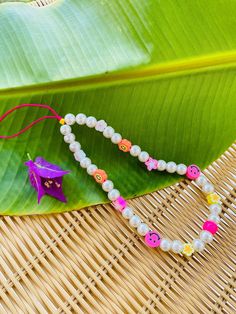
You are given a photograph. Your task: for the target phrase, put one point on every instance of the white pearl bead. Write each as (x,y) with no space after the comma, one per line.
(198,245)
(161,165)
(91,122)
(69,119)
(85,162)
(107,186)
(181,169)
(206,236)
(135,221)
(65,129)
(100,126)
(214,218)
(127,212)
(208,188)
(177,246)
(171,167)
(74,146)
(79,155)
(113,194)
(108,132)
(201,180)
(165,244)
(91,169)
(135,150)
(81,118)
(69,138)
(116,138)
(143,156)
(143,229)
(215,209)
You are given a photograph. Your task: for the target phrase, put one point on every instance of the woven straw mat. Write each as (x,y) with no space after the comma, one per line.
(90,261)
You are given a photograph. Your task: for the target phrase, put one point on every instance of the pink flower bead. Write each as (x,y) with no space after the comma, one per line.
(151,164)
(193,172)
(152,239)
(210,226)
(119,203)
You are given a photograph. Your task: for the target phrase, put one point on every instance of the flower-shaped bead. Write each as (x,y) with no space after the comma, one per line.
(100,176)
(125,145)
(188,249)
(151,164)
(119,203)
(213,198)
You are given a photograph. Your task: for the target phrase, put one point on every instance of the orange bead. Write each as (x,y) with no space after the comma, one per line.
(125,145)
(100,176)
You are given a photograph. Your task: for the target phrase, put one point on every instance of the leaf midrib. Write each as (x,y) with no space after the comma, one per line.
(180,67)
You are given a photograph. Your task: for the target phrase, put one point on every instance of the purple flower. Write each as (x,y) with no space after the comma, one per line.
(46,178)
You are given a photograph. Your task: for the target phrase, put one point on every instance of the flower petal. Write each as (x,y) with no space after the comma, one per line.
(48,170)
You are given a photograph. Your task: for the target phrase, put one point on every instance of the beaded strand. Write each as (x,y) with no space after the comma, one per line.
(151,237)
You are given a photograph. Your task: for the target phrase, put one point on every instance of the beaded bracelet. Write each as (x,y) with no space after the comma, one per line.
(151,237)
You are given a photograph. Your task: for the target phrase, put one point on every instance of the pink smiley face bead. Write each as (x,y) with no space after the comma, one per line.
(152,239)
(193,172)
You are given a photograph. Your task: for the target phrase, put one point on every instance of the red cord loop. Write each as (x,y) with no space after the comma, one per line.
(54,116)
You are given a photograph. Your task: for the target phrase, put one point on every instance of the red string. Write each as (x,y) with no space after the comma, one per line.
(55,116)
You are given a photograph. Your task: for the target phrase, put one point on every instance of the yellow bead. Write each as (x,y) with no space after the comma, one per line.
(188,249)
(213,198)
(62,121)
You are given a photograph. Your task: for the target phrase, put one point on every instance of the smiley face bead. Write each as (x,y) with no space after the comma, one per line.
(100,176)
(193,172)
(152,239)
(125,145)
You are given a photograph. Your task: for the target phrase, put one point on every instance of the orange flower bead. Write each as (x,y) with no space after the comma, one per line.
(100,176)
(125,145)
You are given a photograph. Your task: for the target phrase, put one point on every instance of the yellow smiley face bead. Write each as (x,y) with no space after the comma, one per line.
(213,198)
(188,249)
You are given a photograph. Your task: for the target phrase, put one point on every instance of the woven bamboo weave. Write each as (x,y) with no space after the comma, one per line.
(90,261)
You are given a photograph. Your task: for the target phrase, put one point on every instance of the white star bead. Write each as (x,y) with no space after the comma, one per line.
(161,165)
(181,169)
(69,138)
(107,186)
(91,169)
(143,156)
(69,119)
(91,122)
(135,150)
(81,118)
(127,212)
(171,167)
(113,194)
(74,146)
(135,221)
(108,132)
(65,129)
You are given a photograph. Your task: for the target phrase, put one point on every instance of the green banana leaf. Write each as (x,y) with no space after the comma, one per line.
(162,73)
